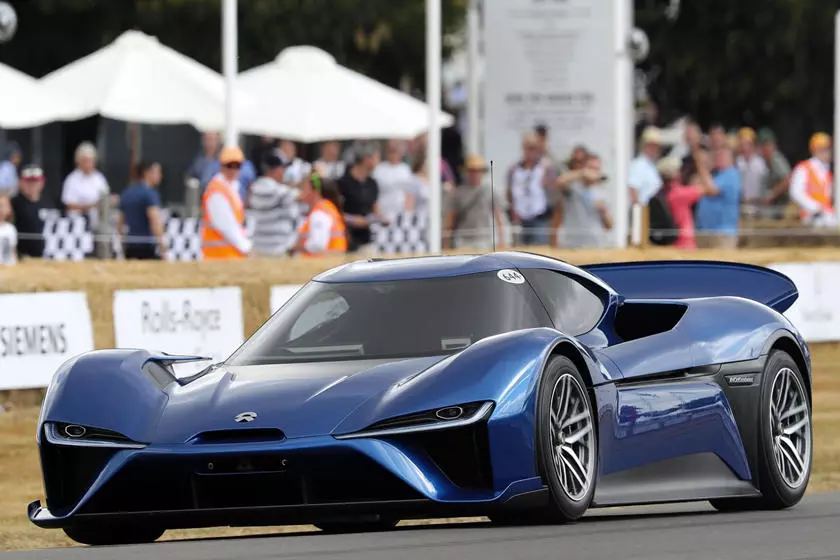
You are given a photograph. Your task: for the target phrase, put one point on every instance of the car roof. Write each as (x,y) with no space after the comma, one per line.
(415,268)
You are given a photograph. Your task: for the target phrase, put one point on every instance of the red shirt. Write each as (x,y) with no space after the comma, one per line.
(681,198)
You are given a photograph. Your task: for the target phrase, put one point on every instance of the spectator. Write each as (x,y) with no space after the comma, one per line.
(84,187)
(323,231)
(360,193)
(9,169)
(29,207)
(643,177)
(546,158)
(751,166)
(205,165)
(586,218)
(717,212)
(330,167)
(274,208)
(267,146)
(774,188)
(682,189)
(717,137)
(811,183)
(223,221)
(527,184)
(8,233)
(693,140)
(417,190)
(139,222)
(393,176)
(577,159)
(452,151)
(297,169)
(469,210)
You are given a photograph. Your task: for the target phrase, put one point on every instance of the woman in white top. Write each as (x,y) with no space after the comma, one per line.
(393,177)
(8,233)
(85,185)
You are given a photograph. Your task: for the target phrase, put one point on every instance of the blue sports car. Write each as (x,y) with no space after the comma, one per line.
(509,385)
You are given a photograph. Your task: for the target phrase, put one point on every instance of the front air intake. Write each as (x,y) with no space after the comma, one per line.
(252,435)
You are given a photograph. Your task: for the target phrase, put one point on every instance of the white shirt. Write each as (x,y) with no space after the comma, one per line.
(8,244)
(393,180)
(753,171)
(527,192)
(84,190)
(644,177)
(223,219)
(331,170)
(799,186)
(296,171)
(8,178)
(320,231)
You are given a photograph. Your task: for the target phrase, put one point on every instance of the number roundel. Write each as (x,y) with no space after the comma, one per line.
(510,276)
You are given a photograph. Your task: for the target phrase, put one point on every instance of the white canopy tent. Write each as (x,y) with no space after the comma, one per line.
(26,103)
(304,95)
(137,79)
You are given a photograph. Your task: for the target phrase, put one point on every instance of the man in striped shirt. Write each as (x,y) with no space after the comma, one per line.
(274,208)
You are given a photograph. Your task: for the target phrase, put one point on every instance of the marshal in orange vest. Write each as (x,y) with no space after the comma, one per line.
(338,231)
(818,185)
(213,243)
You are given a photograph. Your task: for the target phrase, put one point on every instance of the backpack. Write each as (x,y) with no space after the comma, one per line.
(663,229)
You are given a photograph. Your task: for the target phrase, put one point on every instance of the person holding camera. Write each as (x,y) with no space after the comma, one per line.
(586,218)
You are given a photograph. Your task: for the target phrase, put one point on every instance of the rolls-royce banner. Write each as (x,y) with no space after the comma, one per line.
(816,313)
(38,333)
(201,321)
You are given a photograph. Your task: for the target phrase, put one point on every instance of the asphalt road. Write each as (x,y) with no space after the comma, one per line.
(811,531)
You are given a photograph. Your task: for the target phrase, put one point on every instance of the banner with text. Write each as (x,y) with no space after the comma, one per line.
(282,294)
(816,313)
(201,321)
(38,333)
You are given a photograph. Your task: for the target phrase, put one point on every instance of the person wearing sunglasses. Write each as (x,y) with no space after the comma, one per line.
(811,184)
(223,212)
(323,231)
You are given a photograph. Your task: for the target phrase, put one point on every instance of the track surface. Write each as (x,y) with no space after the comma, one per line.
(811,531)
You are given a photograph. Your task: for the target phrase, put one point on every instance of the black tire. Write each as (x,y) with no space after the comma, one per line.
(561,507)
(775,492)
(104,534)
(363,525)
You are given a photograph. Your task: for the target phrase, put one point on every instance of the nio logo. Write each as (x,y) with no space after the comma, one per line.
(740,379)
(245,417)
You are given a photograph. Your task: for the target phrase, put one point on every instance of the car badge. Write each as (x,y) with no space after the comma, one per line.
(245,417)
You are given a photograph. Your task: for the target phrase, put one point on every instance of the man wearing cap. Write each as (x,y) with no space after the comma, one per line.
(274,208)
(223,213)
(643,178)
(751,166)
(29,208)
(774,188)
(9,169)
(469,210)
(811,183)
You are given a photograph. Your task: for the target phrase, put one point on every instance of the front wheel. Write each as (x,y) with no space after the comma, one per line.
(103,534)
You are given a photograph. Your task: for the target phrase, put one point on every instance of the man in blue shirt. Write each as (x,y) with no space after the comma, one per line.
(139,223)
(718,212)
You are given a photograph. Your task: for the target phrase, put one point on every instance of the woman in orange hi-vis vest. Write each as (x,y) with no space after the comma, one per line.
(323,231)
(223,213)
(811,184)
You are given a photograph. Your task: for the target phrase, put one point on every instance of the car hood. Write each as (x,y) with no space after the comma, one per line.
(302,400)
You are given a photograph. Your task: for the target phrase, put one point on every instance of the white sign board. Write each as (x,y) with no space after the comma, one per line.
(816,313)
(282,294)
(38,333)
(553,62)
(201,321)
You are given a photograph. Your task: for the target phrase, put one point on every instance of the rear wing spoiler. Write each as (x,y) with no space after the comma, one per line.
(696,279)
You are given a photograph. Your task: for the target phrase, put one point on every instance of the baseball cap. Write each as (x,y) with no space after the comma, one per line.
(651,135)
(746,133)
(273,161)
(819,141)
(765,136)
(231,154)
(31,172)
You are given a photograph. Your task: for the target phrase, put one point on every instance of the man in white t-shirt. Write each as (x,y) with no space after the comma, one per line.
(393,175)
(85,186)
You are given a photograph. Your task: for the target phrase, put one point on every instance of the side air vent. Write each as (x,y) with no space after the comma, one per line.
(254,435)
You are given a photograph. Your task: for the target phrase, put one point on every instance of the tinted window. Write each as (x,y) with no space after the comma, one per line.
(573,307)
(395,319)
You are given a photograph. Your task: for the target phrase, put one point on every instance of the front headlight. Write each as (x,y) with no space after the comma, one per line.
(76,435)
(446,417)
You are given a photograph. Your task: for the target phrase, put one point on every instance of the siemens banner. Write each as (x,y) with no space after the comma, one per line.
(38,333)
(202,321)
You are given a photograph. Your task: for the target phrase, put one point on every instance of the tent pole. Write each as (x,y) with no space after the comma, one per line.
(433,92)
(229,67)
(474,89)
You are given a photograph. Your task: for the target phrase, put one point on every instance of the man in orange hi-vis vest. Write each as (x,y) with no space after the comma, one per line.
(811,184)
(324,231)
(223,213)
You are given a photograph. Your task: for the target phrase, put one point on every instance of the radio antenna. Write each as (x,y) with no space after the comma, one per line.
(492,206)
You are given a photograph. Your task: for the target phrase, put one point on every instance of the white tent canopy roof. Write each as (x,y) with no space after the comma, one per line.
(304,95)
(138,79)
(24,102)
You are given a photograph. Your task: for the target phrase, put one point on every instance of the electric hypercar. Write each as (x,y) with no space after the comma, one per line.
(507,385)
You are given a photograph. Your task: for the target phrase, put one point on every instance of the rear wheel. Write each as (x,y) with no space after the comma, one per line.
(103,534)
(785,440)
(362,525)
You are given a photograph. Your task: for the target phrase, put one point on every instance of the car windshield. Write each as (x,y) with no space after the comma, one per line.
(394,319)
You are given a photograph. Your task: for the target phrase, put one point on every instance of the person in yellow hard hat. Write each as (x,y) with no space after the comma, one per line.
(223,212)
(811,184)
